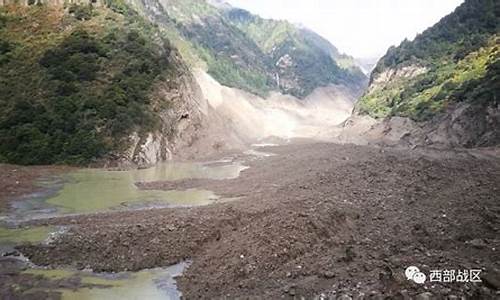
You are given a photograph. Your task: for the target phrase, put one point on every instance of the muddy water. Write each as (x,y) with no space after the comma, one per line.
(259,154)
(147,284)
(95,190)
(152,284)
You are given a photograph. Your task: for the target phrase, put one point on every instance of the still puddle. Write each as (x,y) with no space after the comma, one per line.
(152,284)
(17,236)
(95,190)
(147,284)
(11,237)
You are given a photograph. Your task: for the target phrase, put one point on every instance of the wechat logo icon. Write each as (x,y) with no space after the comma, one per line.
(414,274)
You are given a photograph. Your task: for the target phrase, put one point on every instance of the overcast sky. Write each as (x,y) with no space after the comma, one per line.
(361,28)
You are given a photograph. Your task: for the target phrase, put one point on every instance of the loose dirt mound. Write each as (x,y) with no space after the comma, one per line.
(315,219)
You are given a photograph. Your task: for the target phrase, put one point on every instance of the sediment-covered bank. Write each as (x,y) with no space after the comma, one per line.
(314,219)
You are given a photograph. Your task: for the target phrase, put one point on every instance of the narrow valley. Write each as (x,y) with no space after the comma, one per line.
(191,149)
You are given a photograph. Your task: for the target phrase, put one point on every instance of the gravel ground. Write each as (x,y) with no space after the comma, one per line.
(317,220)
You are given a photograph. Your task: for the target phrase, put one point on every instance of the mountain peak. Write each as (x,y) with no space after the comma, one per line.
(221,4)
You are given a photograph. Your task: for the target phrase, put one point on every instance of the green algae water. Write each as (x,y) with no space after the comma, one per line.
(147,284)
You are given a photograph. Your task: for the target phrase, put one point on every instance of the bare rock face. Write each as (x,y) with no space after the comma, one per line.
(395,74)
(151,151)
(285,78)
(463,125)
(182,113)
(466,125)
(395,131)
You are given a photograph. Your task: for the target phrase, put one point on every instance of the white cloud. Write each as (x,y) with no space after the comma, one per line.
(362,28)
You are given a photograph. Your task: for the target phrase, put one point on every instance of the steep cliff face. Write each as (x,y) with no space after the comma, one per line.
(180,125)
(446,81)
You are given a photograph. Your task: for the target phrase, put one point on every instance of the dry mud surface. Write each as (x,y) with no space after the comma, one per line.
(317,220)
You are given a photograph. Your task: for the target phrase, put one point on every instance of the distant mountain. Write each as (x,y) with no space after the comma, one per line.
(258,55)
(367,64)
(448,74)
(221,4)
(303,60)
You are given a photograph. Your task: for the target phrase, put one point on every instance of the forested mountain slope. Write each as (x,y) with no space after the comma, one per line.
(447,78)
(302,59)
(82,82)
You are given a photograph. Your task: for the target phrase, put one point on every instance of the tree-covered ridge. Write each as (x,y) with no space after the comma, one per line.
(466,30)
(265,33)
(460,56)
(206,40)
(75,83)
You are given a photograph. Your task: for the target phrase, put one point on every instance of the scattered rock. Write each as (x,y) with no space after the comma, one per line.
(477,243)
(12,253)
(290,289)
(424,296)
(492,279)
(403,295)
